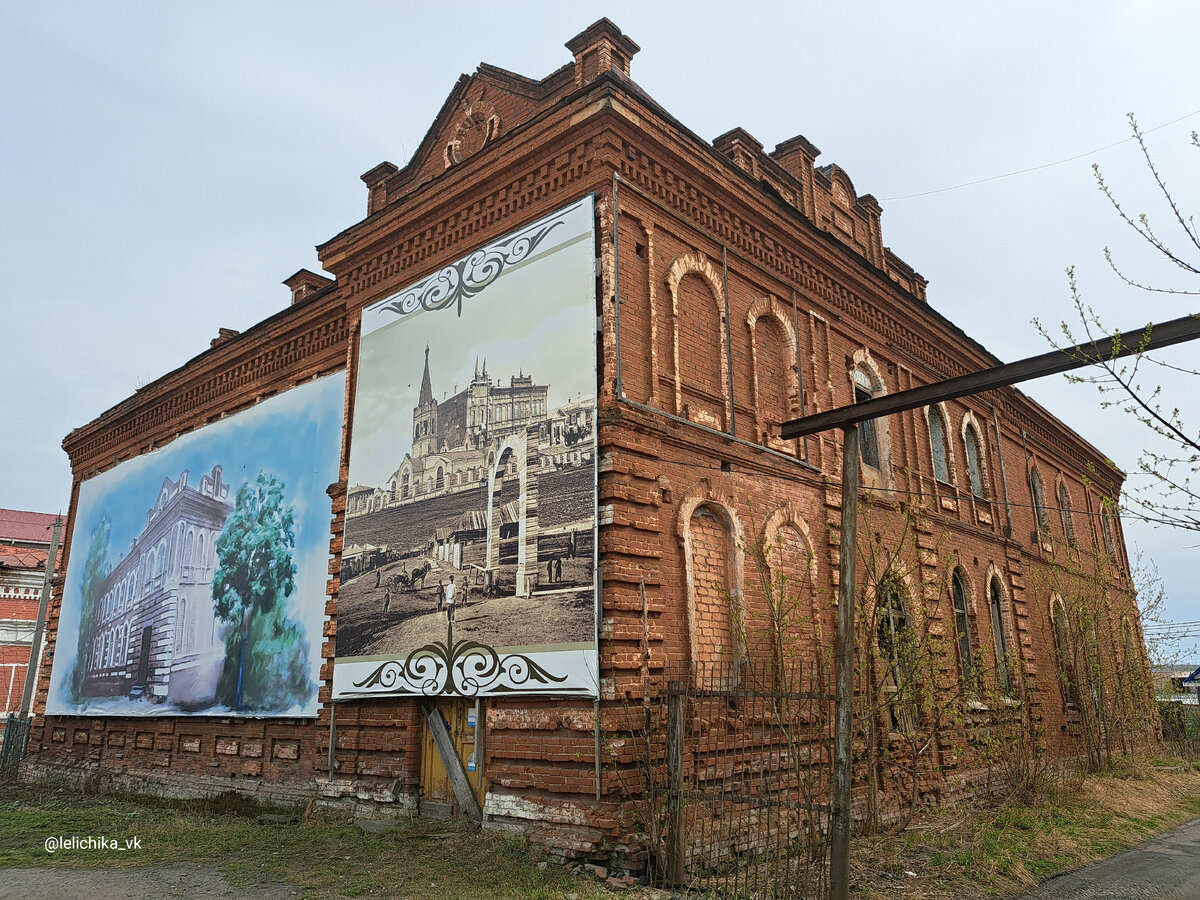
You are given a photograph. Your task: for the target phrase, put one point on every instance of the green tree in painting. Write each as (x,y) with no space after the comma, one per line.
(95,570)
(266,654)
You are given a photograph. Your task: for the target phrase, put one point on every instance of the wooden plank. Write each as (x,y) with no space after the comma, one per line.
(1123,344)
(454,766)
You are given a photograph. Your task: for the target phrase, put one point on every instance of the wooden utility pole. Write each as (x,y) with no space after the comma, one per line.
(35,649)
(1141,340)
(843,737)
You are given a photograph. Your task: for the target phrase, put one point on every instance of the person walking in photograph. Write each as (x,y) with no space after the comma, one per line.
(450,600)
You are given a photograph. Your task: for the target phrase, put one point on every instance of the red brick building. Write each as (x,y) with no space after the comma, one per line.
(754,286)
(24,549)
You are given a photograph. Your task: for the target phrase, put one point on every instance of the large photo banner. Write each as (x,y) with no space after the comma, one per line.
(469,560)
(196,582)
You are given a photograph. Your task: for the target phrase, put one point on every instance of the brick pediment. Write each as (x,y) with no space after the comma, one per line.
(481,108)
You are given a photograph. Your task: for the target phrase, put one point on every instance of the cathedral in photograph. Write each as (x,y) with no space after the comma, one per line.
(454,440)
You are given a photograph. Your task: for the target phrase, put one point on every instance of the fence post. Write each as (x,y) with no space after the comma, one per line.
(675,842)
(843,738)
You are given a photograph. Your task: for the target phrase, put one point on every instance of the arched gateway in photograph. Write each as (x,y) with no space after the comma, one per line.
(524,449)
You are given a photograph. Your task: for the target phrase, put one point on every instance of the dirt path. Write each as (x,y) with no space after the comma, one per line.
(143,883)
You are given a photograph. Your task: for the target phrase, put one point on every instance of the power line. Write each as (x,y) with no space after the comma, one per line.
(1048,165)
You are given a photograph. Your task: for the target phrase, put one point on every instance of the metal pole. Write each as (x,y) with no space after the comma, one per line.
(332,737)
(619,382)
(35,649)
(1008,532)
(728,340)
(843,738)
(675,842)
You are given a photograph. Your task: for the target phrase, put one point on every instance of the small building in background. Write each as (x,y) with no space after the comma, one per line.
(24,548)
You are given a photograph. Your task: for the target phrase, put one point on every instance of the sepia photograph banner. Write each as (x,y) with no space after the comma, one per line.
(469,557)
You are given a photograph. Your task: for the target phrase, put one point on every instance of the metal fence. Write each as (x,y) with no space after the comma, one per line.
(749,761)
(12,749)
(1181,727)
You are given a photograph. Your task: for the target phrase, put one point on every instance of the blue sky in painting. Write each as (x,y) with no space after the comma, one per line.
(295,435)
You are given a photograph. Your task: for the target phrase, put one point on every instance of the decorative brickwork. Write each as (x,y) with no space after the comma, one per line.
(742,302)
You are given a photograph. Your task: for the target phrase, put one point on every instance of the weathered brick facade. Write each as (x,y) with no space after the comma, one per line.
(752,287)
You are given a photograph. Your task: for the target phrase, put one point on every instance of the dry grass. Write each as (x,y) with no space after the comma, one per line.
(417,858)
(1007,848)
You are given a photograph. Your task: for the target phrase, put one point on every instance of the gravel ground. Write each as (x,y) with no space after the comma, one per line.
(145,883)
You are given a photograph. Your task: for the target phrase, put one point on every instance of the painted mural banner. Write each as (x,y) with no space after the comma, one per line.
(196,581)
(469,556)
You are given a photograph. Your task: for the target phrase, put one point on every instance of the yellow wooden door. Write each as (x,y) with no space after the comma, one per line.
(463,723)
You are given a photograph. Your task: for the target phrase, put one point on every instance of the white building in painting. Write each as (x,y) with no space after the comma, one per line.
(152,632)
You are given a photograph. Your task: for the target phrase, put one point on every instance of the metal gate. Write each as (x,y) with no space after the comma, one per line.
(749,768)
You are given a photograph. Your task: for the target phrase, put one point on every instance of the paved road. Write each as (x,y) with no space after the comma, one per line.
(1163,868)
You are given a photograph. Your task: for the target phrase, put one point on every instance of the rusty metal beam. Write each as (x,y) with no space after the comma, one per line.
(1122,344)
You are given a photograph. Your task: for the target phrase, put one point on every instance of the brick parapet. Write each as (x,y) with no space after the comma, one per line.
(803,306)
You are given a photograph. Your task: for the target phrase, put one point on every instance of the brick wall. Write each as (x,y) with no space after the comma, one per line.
(691,467)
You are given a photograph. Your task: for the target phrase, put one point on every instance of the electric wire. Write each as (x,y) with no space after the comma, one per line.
(1048,165)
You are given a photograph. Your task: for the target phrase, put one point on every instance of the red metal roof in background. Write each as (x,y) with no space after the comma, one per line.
(30,527)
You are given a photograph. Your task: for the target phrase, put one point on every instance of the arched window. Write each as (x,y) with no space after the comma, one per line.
(1064,510)
(937,443)
(160,564)
(996,595)
(865,389)
(1106,529)
(404,485)
(974,460)
(188,546)
(1038,495)
(962,626)
(896,650)
(440,481)
(1065,664)
(711,551)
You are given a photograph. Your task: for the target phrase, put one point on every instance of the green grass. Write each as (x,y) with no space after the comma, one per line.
(415,859)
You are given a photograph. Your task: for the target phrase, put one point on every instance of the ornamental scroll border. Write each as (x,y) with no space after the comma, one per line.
(463,279)
(463,668)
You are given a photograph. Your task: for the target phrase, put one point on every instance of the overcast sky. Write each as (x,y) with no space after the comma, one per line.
(165,166)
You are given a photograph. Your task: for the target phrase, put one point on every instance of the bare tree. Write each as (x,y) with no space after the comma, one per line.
(1168,493)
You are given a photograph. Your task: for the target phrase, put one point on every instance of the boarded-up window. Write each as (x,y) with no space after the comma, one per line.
(974,462)
(1038,495)
(962,627)
(1106,528)
(1004,675)
(865,389)
(1064,510)
(937,443)
(771,376)
(700,351)
(711,547)
(896,651)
